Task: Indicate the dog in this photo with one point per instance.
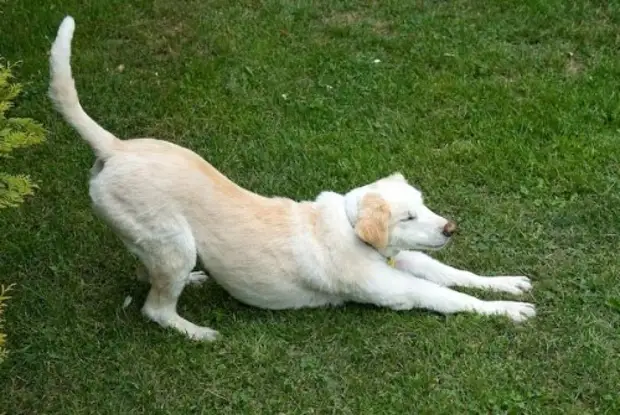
(171, 208)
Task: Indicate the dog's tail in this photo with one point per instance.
(65, 98)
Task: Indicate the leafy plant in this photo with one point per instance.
(3, 297)
(15, 133)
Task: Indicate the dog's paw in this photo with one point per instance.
(204, 334)
(197, 277)
(516, 311)
(509, 284)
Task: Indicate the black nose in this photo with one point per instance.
(449, 229)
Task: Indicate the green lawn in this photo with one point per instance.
(506, 114)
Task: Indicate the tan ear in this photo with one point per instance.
(373, 220)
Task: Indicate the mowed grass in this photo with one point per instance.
(506, 114)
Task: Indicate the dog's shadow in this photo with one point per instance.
(210, 305)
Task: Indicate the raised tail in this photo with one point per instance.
(64, 95)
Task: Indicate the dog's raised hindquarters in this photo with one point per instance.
(170, 207)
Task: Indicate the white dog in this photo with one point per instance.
(170, 207)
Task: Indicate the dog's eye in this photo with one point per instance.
(409, 218)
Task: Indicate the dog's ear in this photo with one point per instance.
(397, 177)
(373, 220)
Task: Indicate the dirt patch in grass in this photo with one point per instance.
(354, 18)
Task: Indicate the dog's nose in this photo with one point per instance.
(449, 229)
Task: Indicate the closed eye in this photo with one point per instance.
(410, 217)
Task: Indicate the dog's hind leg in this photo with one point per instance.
(169, 260)
(195, 277)
(142, 274)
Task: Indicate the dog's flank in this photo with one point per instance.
(65, 98)
(170, 207)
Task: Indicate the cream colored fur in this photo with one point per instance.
(170, 207)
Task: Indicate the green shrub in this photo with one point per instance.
(3, 297)
(14, 133)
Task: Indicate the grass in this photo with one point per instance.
(506, 114)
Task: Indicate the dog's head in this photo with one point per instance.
(390, 215)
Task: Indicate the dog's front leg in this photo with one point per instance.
(423, 266)
(389, 287)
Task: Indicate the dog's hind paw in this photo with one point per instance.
(204, 334)
(197, 277)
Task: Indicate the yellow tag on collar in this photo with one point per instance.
(391, 262)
